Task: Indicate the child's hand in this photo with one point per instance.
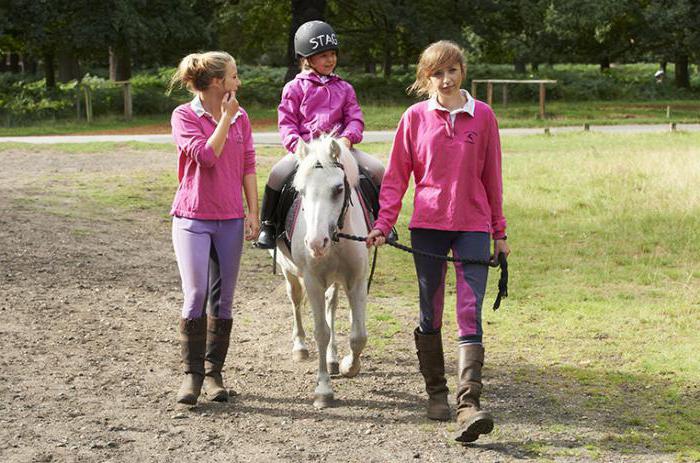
(229, 105)
(346, 141)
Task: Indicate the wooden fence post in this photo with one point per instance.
(88, 103)
(128, 102)
(489, 93)
(542, 101)
(505, 94)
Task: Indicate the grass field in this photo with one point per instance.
(558, 114)
(604, 306)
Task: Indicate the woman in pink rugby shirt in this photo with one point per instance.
(216, 163)
(316, 101)
(450, 144)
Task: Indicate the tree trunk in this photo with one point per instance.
(30, 64)
(119, 63)
(662, 66)
(14, 63)
(49, 73)
(682, 74)
(387, 59)
(520, 66)
(535, 67)
(604, 63)
(68, 66)
(389, 45)
(3, 62)
(302, 11)
(370, 67)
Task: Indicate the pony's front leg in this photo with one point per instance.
(357, 297)
(332, 353)
(323, 395)
(295, 292)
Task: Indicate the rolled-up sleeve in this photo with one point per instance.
(492, 180)
(248, 147)
(396, 177)
(288, 118)
(353, 121)
(190, 138)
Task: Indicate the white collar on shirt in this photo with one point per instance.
(467, 108)
(199, 110)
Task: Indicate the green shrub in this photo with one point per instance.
(24, 99)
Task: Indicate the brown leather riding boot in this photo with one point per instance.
(472, 421)
(218, 335)
(431, 362)
(193, 335)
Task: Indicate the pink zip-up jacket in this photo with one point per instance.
(457, 171)
(210, 187)
(310, 107)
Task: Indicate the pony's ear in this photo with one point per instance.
(302, 149)
(335, 150)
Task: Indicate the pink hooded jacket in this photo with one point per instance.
(310, 107)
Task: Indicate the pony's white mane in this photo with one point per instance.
(319, 150)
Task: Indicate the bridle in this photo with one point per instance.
(347, 200)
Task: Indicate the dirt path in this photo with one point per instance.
(90, 299)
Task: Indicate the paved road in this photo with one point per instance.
(272, 138)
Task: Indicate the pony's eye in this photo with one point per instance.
(338, 190)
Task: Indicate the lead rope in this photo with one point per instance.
(502, 263)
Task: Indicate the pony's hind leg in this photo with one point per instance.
(295, 292)
(323, 395)
(357, 297)
(332, 352)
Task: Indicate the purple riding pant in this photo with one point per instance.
(471, 279)
(208, 255)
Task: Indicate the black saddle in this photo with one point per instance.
(288, 195)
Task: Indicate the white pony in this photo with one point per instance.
(326, 179)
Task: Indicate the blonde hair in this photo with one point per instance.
(196, 70)
(437, 55)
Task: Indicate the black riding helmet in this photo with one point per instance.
(314, 37)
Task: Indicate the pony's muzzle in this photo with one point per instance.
(318, 246)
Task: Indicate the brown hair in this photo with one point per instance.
(197, 70)
(436, 56)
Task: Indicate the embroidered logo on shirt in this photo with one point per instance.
(471, 137)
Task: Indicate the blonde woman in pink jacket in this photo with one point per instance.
(315, 102)
(216, 167)
(450, 144)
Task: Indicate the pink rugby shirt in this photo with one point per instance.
(210, 187)
(457, 170)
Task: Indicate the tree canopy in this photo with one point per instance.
(66, 36)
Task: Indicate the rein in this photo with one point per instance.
(502, 263)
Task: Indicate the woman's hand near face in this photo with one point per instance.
(229, 105)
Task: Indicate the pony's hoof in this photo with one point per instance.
(300, 355)
(333, 368)
(348, 369)
(324, 401)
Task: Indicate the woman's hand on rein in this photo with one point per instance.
(500, 246)
(375, 238)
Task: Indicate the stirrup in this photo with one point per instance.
(266, 238)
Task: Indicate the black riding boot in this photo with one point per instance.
(266, 238)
